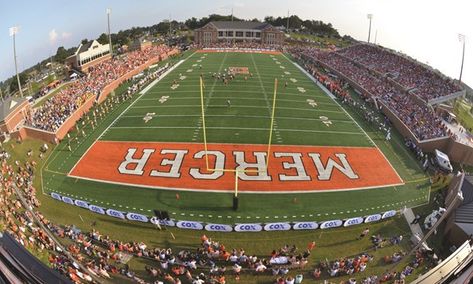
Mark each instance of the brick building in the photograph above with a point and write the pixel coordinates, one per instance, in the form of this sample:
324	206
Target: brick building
140	44
12	113
88	55
238	31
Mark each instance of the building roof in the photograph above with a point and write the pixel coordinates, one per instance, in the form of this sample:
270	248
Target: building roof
464	213
240	25
84	47
9	105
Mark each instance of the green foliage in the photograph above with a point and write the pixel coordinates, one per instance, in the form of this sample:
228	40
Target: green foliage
62	53
14	82
103	38
310	26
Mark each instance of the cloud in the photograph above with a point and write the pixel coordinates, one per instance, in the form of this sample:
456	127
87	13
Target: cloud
53	35
66	35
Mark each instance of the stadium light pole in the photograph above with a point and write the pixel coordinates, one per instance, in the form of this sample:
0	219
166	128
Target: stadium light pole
462	39
13	32
109	11
287	23
370	17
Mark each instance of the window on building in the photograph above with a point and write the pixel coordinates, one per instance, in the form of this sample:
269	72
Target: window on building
239	34
207	37
258	34
248	34
230	33
220	33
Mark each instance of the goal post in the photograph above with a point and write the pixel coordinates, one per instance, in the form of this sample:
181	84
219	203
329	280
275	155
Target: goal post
237	171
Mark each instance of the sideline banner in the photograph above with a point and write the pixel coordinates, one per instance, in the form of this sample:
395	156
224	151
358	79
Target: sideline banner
353	221
189	225
277	227
211	227
218	228
248	228
115	213
331	224
305	226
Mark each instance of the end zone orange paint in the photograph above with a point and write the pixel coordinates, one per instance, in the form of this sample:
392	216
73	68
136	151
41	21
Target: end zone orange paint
102	160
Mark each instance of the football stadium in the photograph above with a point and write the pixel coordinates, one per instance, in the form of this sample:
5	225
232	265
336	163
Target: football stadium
230	150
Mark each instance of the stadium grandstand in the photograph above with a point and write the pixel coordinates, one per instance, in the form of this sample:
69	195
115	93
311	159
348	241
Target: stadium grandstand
223	150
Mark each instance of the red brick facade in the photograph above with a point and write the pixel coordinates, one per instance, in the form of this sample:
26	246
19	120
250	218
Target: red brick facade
215	32
13	119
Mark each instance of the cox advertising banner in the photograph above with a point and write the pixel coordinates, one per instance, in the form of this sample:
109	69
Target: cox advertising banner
189	225
277	227
246	227
331	224
218	228
353	221
305	226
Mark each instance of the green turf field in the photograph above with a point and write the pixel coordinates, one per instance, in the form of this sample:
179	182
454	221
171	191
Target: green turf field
246	121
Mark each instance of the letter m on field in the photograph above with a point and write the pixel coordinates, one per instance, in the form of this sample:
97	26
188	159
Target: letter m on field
325	172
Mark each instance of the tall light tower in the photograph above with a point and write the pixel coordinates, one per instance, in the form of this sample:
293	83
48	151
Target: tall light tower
13	32
462	39
109	11
370	17
287	23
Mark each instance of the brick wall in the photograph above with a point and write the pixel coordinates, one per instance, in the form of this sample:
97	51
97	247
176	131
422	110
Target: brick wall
14	118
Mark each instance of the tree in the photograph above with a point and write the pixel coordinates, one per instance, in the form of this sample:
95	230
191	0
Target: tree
192	23
14	83
103	38
84	41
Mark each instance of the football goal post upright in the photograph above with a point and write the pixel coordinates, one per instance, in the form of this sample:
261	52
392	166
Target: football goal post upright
237	171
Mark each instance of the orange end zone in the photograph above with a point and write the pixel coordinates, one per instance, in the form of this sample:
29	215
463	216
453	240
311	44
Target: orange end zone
182	166
239	51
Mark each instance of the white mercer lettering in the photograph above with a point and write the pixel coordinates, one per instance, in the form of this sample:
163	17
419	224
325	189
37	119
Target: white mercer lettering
219	164
298	165
325	173
261	172
175	164
139	163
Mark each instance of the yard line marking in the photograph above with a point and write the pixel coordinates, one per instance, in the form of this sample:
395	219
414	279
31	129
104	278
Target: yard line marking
270	110
236	106
209	97
142	93
238	128
243	98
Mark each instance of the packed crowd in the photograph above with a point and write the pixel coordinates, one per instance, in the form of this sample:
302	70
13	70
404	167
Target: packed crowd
420	119
54	112
426	83
102	257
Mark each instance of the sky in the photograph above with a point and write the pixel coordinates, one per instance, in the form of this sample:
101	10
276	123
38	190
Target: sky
426	30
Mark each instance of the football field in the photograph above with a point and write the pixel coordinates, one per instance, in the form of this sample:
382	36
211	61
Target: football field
299	154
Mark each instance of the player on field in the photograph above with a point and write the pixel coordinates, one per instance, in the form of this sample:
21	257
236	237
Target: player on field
229	104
